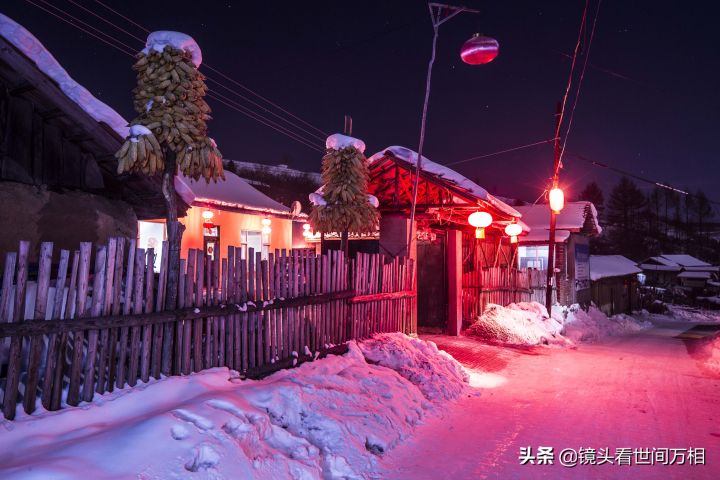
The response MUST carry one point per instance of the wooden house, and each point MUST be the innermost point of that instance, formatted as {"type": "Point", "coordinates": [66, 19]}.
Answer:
{"type": "Point", "coordinates": [456, 273]}
{"type": "Point", "coordinates": [575, 225]}
{"type": "Point", "coordinates": [58, 179]}
{"type": "Point", "coordinates": [678, 269]}
{"type": "Point", "coordinates": [614, 283]}
{"type": "Point", "coordinates": [231, 212]}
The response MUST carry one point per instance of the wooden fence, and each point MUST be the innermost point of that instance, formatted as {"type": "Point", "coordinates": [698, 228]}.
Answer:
{"type": "Point", "coordinates": [93, 323]}
{"type": "Point", "coordinates": [501, 286]}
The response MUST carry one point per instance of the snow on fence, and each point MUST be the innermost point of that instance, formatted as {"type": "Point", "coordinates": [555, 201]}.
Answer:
{"type": "Point", "coordinates": [501, 286]}
{"type": "Point", "coordinates": [99, 323]}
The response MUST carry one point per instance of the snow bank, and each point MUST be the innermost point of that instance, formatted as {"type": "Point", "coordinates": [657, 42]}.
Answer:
{"type": "Point", "coordinates": [683, 313]}
{"type": "Point", "coordinates": [339, 141]}
{"type": "Point", "coordinates": [159, 40]}
{"type": "Point", "coordinates": [707, 352]}
{"type": "Point", "coordinates": [593, 325]}
{"type": "Point", "coordinates": [528, 323]}
{"type": "Point", "coordinates": [37, 53]}
{"type": "Point", "coordinates": [524, 323]}
{"type": "Point", "coordinates": [331, 418]}
{"type": "Point", "coordinates": [438, 375]}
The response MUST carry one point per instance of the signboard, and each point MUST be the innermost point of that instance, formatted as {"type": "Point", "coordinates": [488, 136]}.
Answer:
{"type": "Point", "coordinates": [582, 266]}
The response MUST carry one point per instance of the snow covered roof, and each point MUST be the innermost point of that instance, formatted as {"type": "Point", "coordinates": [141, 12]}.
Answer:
{"type": "Point", "coordinates": [234, 192]}
{"type": "Point", "coordinates": [31, 47]}
{"type": "Point", "coordinates": [339, 141]}
{"type": "Point", "coordinates": [605, 266]}
{"type": "Point", "coordinates": [543, 235]}
{"type": "Point", "coordinates": [685, 260]}
{"type": "Point", "coordinates": [664, 261]}
{"type": "Point", "coordinates": [447, 174]}
{"type": "Point", "coordinates": [659, 268]}
{"type": "Point", "coordinates": [698, 275]}
{"type": "Point", "coordinates": [164, 38]}
{"type": "Point", "coordinates": [571, 218]}
{"type": "Point", "coordinates": [278, 170]}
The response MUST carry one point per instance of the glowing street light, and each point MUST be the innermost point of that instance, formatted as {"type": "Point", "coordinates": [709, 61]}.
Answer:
{"type": "Point", "coordinates": [557, 199]}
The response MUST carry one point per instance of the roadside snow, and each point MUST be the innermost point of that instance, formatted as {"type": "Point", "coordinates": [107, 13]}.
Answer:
{"type": "Point", "coordinates": [331, 418]}
{"type": "Point", "coordinates": [524, 323]}
{"type": "Point", "coordinates": [438, 375]}
{"type": "Point", "coordinates": [683, 313]}
{"type": "Point", "coordinates": [528, 323]}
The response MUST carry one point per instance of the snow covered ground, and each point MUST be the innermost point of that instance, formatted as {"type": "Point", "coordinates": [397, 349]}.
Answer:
{"type": "Point", "coordinates": [528, 323]}
{"type": "Point", "coordinates": [333, 418]}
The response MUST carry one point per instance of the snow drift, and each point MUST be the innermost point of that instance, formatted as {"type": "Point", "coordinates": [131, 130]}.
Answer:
{"type": "Point", "coordinates": [331, 418]}
{"type": "Point", "coordinates": [528, 323]}
{"type": "Point", "coordinates": [524, 323]}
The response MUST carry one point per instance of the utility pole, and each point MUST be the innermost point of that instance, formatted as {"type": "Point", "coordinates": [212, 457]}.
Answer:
{"type": "Point", "coordinates": [345, 238]}
{"type": "Point", "coordinates": [553, 215]}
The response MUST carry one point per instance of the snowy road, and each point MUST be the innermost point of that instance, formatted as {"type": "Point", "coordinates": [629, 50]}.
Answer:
{"type": "Point", "coordinates": [641, 391]}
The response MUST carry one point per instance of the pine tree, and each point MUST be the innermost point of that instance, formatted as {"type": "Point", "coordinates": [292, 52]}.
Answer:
{"type": "Point", "coordinates": [170, 131]}
{"type": "Point", "coordinates": [345, 177]}
{"type": "Point", "coordinates": [624, 217]}
{"type": "Point", "coordinates": [593, 193]}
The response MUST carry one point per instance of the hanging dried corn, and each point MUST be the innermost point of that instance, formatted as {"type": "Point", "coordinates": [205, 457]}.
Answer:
{"type": "Point", "coordinates": [346, 203]}
{"type": "Point", "coordinates": [172, 112]}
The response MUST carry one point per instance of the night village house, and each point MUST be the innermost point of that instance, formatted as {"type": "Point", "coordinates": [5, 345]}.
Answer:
{"type": "Point", "coordinates": [58, 179]}
{"type": "Point", "coordinates": [576, 224]}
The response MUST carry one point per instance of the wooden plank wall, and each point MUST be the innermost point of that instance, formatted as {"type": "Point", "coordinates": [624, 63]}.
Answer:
{"type": "Point", "coordinates": [92, 322]}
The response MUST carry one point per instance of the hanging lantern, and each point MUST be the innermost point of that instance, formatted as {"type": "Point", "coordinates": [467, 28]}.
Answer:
{"type": "Point", "coordinates": [266, 222]}
{"type": "Point", "coordinates": [557, 199]}
{"type": "Point", "coordinates": [306, 230]}
{"type": "Point", "coordinates": [306, 227]}
{"type": "Point", "coordinates": [480, 220]}
{"type": "Point", "coordinates": [266, 230]}
{"type": "Point", "coordinates": [207, 216]}
{"type": "Point", "coordinates": [512, 230]}
{"type": "Point", "coordinates": [479, 50]}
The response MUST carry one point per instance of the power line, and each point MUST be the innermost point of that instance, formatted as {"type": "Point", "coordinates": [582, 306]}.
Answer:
{"type": "Point", "coordinates": [209, 67]}
{"type": "Point", "coordinates": [105, 20]}
{"type": "Point", "coordinates": [637, 177]}
{"type": "Point", "coordinates": [569, 84]}
{"type": "Point", "coordinates": [580, 81]}
{"type": "Point", "coordinates": [119, 46]}
{"type": "Point", "coordinates": [501, 152]}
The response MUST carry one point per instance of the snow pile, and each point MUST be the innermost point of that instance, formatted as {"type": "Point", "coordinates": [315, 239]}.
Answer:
{"type": "Point", "coordinates": [438, 375]}
{"type": "Point", "coordinates": [331, 418]}
{"type": "Point", "coordinates": [593, 325]}
{"type": "Point", "coordinates": [683, 314]}
{"type": "Point", "coordinates": [707, 352]}
{"type": "Point", "coordinates": [339, 141]}
{"type": "Point", "coordinates": [36, 52]}
{"type": "Point", "coordinates": [159, 40]}
{"type": "Point", "coordinates": [524, 323]}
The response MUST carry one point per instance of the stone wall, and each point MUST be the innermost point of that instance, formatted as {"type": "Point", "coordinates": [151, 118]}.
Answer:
{"type": "Point", "coordinates": [36, 214]}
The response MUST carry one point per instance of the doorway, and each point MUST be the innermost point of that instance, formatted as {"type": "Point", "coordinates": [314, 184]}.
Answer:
{"type": "Point", "coordinates": [432, 284]}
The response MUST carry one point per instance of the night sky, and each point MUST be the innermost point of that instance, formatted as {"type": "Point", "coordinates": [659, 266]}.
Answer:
{"type": "Point", "coordinates": [649, 103]}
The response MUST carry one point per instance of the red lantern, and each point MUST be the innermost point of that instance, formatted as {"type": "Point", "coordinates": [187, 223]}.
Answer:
{"type": "Point", "coordinates": [479, 50]}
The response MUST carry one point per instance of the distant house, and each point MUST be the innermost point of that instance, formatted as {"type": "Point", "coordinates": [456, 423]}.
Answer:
{"type": "Point", "coordinates": [575, 225]}
{"type": "Point", "coordinates": [58, 179]}
{"type": "Point", "coordinates": [678, 269]}
{"type": "Point", "coordinates": [230, 212]}
{"type": "Point", "coordinates": [614, 282]}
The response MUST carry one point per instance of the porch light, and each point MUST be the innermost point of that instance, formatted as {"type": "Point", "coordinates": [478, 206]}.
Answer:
{"type": "Point", "coordinates": [306, 230]}
{"type": "Point", "coordinates": [266, 222]}
{"type": "Point", "coordinates": [512, 230]}
{"type": "Point", "coordinates": [480, 220]}
{"type": "Point", "coordinates": [306, 227]}
{"type": "Point", "coordinates": [207, 215]}
{"type": "Point", "coordinates": [557, 199]}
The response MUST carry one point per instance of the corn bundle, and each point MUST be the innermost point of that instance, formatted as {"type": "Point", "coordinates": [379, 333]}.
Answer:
{"type": "Point", "coordinates": [169, 101]}
{"type": "Point", "coordinates": [345, 177]}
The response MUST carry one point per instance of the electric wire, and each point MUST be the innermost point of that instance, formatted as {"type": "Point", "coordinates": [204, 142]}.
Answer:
{"type": "Point", "coordinates": [580, 82]}
{"type": "Point", "coordinates": [521, 147]}
{"type": "Point", "coordinates": [209, 67]}
{"type": "Point", "coordinates": [128, 50]}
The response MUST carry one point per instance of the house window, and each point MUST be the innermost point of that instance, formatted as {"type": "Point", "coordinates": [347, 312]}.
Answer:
{"type": "Point", "coordinates": [533, 257]}
{"type": "Point", "coordinates": [256, 240]}
{"type": "Point", "coordinates": [151, 235]}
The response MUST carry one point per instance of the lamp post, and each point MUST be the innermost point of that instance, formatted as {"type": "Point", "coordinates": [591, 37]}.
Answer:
{"type": "Point", "coordinates": [557, 201]}
{"type": "Point", "coordinates": [476, 51]}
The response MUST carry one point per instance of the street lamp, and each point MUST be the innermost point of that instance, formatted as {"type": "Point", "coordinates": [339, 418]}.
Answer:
{"type": "Point", "coordinates": [476, 51]}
